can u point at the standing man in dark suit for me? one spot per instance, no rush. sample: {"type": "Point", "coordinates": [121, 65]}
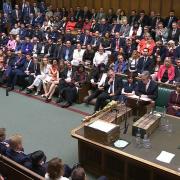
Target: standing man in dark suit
{"type": "Point", "coordinates": [174, 33]}
{"type": "Point", "coordinates": [147, 87]}
{"type": "Point", "coordinates": [170, 19]}
{"type": "Point", "coordinates": [112, 90]}
{"type": "Point", "coordinates": [49, 48]}
{"type": "Point", "coordinates": [16, 14]}
{"type": "Point", "coordinates": [145, 63]}
{"type": "Point", "coordinates": [133, 17]}
{"type": "Point", "coordinates": [58, 50]}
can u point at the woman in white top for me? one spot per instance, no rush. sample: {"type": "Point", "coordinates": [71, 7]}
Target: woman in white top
{"type": "Point", "coordinates": [77, 55]}
{"type": "Point", "coordinates": [55, 170]}
{"type": "Point", "coordinates": [132, 63]}
{"type": "Point", "coordinates": [44, 67]}
{"type": "Point", "coordinates": [100, 57]}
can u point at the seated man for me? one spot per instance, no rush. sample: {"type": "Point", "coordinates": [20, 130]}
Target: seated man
{"type": "Point", "coordinates": [112, 90]}
{"type": "Point", "coordinates": [174, 102]}
{"type": "Point", "coordinates": [15, 151]}
{"type": "Point", "coordinates": [69, 87]}
{"type": "Point", "coordinates": [147, 88]}
{"type": "Point", "coordinates": [97, 81]}
{"type": "Point", "coordinates": [3, 144]}
{"type": "Point", "coordinates": [177, 71]}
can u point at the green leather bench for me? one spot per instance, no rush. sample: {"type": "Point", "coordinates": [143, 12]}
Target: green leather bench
{"type": "Point", "coordinates": [163, 97]}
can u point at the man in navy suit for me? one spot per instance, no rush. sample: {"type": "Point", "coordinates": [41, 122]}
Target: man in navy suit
{"type": "Point", "coordinates": [112, 90]}
{"type": "Point", "coordinates": [16, 70]}
{"type": "Point", "coordinates": [67, 52]}
{"type": "Point", "coordinates": [27, 70]}
{"type": "Point", "coordinates": [96, 40]}
{"type": "Point", "coordinates": [170, 19]}
{"type": "Point", "coordinates": [103, 27]}
{"type": "Point", "coordinates": [85, 38]}
{"type": "Point", "coordinates": [15, 151]}
{"type": "Point", "coordinates": [115, 27]}
{"type": "Point", "coordinates": [147, 87]}
{"type": "Point", "coordinates": [16, 14]}
{"type": "Point", "coordinates": [145, 63]}
{"type": "Point", "coordinates": [27, 46]}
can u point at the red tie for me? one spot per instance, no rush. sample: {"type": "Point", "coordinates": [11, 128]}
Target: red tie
{"type": "Point", "coordinates": [117, 44]}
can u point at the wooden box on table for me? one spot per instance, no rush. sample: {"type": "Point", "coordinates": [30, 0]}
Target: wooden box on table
{"type": "Point", "coordinates": [147, 124]}
{"type": "Point", "coordinates": [102, 131]}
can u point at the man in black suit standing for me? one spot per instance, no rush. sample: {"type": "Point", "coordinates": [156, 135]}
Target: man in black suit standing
{"type": "Point", "coordinates": [170, 19]}
{"type": "Point", "coordinates": [174, 33]}
{"type": "Point", "coordinates": [112, 90]}
{"type": "Point", "coordinates": [145, 63]}
{"type": "Point", "coordinates": [147, 87]}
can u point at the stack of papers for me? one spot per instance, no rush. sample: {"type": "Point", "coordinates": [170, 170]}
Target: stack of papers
{"type": "Point", "coordinates": [102, 126]}
{"type": "Point", "coordinates": [141, 98]}
{"type": "Point", "coordinates": [165, 157]}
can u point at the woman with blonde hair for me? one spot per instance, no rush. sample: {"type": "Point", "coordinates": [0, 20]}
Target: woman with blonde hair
{"type": "Point", "coordinates": [133, 61]}
{"type": "Point", "coordinates": [44, 68]}
{"type": "Point", "coordinates": [51, 81]}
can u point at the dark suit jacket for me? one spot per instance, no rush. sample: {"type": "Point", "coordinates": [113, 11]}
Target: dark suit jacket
{"type": "Point", "coordinates": [177, 52]}
{"type": "Point", "coordinates": [132, 19]}
{"type": "Point", "coordinates": [97, 42]}
{"type": "Point", "coordinates": [177, 74]}
{"type": "Point", "coordinates": [116, 28]}
{"type": "Point", "coordinates": [175, 37]}
{"type": "Point", "coordinates": [147, 66]}
{"type": "Point", "coordinates": [88, 39]}
{"type": "Point", "coordinates": [152, 91]}
{"type": "Point", "coordinates": [121, 43]}
{"type": "Point", "coordinates": [30, 68]}
{"type": "Point", "coordinates": [174, 19]}
{"type": "Point", "coordinates": [118, 85]}
{"type": "Point", "coordinates": [63, 54]}
{"type": "Point", "coordinates": [57, 51]}
{"type": "Point", "coordinates": [18, 157]}
{"type": "Point", "coordinates": [49, 48]}
{"type": "Point", "coordinates": [3, 148]}
{"type": "Point", "coordinates": [14, 15]}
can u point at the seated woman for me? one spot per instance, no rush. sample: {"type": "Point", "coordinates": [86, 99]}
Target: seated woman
{"type": "Point", "coordinates": [174, 102]}
{"type": "Point", "coordinates": [156, 67]}
{"type": "Point", "coordinates": [51, 81]}
{"type": "Point", "coordinates": [120, 66]}
{"type": "Point", "coordinates": [88, 55]}
{"type": "Point", "coordinates": [55, 170]}
{"type": "Point", "coordinates": [71, 24]}
{"type": "Point", "coordinates": [77, 55]}
{"type": "Point", "coordinates": [128, 88]}
{"type": "Point", "coordinates": [44, 68]}
{"type": "Point", "coordinates": [166, 72]}
{"type": "Point", "coordinates": [132, 63]}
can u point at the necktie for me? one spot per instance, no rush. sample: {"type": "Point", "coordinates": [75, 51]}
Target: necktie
{"type": "Point", "coordinates": [117, 44]}
{"type": "Point", "coordinates": [67, 54]}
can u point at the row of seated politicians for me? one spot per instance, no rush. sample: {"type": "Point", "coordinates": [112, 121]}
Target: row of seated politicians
{"type": "Point", "coordinates": [54, 169]}
{"type": "Point", "coordinates": [69, 76]}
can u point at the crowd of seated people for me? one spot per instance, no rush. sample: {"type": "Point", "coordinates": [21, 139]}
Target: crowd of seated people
{"type": "Point", "coordinates": [43, 49]}
{"type": "Point", "coordinates": [54, 169]}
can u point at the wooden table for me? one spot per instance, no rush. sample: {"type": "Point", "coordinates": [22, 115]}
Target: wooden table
{"type": "Point", "coordinates": [131, 163]}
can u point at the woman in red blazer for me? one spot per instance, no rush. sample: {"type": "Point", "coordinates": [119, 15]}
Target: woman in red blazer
{"type": "Point", "coordinates": [166, 71]}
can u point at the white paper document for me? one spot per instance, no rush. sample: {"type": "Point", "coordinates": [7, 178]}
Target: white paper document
{"type": "Point", "coordinates": [121, 143]}
{"type": "Point", "coordinates": [144, 98]}
{"type": "Point", "coordinates": [102, 126]}
{"type": "Point", "coordinates": [165, 157]}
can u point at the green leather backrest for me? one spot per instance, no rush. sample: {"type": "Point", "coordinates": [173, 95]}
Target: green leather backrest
{"type": "Point", "coordinates": [163, 96]}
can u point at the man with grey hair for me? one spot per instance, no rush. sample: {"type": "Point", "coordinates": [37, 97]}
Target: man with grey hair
{"type": "Point", "coordinates": [147, 87]}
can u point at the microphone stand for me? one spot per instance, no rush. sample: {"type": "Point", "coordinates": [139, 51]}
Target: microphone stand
{"type": "Point", "coordinates": [137, 112]}
{"type": "Point", "coordinates": [126, 125]}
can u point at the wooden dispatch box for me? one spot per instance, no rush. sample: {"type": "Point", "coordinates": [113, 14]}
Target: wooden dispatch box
{"type": "Point", "coordinates": [102, 131]}
{"type": "Point", "coordinates": [116, 115]}
{"type": "Point", "coordinates": [147, 124]}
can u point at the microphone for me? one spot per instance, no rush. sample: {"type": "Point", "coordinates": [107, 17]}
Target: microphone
{"type": "Point", "coordinates": [137, 102]}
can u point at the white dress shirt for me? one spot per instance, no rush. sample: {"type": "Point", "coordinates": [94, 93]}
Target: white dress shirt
{"type": "Point", "coordinates": [100, 58]}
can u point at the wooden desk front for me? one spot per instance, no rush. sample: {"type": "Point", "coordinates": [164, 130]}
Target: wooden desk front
{"type": "Point", "coordinates": [131, 163]}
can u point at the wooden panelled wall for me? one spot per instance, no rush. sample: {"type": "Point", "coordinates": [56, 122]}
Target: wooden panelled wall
{"type": "Point", "coordinates": [162, 6]}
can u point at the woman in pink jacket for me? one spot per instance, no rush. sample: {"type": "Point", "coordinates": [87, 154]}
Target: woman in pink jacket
{"type": "Point", "coordinates": [11, 45]}
{"type": "Point", "coordinates": [166, 71]}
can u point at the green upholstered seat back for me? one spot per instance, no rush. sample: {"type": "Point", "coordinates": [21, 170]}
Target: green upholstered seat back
{"type": "Point", "coordinates": [163, 96]}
